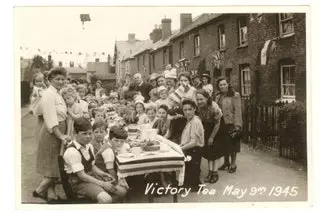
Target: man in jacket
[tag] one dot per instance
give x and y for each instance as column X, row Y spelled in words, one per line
column 141, row 86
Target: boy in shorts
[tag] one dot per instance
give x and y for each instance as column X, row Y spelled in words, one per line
column 86, row 179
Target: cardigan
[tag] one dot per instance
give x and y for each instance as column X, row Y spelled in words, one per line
column 231, row 108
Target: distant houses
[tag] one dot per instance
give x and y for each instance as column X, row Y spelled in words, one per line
column 261, row 54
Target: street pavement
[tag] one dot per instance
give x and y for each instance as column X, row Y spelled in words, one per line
column 260, row 177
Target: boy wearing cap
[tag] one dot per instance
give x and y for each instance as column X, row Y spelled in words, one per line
column 85, row 178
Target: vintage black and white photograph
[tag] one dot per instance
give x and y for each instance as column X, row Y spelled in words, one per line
column 134, row 105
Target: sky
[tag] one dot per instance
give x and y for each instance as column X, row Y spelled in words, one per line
column 60, row 28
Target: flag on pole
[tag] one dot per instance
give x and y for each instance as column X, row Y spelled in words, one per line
column 84, row 18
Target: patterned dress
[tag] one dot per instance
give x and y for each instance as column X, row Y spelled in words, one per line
column 210, row 116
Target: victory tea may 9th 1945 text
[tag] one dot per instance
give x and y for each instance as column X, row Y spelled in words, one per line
column 229, row 190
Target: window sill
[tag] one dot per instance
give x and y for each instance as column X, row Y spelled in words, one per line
column 242, row 46
column 222, row 50
column 286, row 100
column 196, row 56
column 286, row 35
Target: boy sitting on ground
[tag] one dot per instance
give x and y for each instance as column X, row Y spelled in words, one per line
column 107, row 153
column 85, row 178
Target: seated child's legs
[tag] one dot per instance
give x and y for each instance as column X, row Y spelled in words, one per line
column 104, row 197
column 91, row 191
column 121, row 191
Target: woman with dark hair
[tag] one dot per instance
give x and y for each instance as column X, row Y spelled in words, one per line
column 231, row 122
column 185, row 90
column 51, row 135
column 192, row 141
column 206, row 79
column 210, row 115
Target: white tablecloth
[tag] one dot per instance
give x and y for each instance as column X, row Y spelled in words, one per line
column 144, row 163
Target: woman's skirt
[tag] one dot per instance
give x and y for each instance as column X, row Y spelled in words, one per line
column 229, row 145
column 48, row 151
column 217, row 150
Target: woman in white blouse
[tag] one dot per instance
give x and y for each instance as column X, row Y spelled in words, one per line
column 51, row 135
column 206, row 79
column 98, row 89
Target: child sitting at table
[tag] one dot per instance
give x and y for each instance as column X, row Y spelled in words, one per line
column 163, row 122
column 108, row 151
column 151, row 112
column 139, row 105
column 82, row 91
column 84, row 177
column 130, row 116
column 98, row 115
column 154, row 96
column 163, row 94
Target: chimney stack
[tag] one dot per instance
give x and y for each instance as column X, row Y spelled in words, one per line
column 166, row 28
column 156, row 34
column 131, row 37
column 185, row 20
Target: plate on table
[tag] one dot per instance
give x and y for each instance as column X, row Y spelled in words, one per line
column 150, row 153
column 164, row 148
column 126, row 155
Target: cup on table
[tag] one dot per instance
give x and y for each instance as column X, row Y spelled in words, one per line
column 136, row 150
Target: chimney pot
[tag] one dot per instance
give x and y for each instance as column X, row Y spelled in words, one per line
column 185, row 19
column 166, row 28
column 131, row 37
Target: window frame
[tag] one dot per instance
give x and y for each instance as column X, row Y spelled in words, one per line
column 281, row 21
column 196, row 48
column 164, row 56
column 241, row 41
column 181, row 50
column 143, row 60
column 243, row 85
column 228, row 74
column 282, row 95
column 221, row 26
column 153, row 61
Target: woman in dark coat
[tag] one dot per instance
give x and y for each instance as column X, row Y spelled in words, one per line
column 230, row 103
column 210, row 115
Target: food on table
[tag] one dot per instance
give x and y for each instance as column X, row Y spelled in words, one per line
column 133, row 130
column 151, row 146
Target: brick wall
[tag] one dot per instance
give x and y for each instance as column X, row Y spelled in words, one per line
column 158, row 61
column 265, row 80
column 293, row 47
column 144, row 69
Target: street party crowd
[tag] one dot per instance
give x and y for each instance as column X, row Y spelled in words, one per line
column 86, row 125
